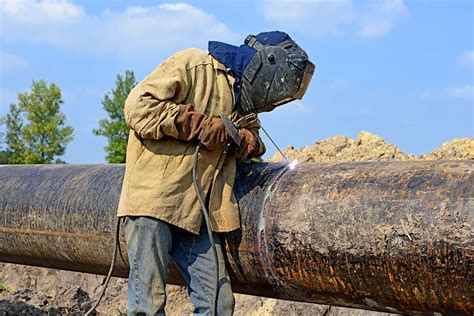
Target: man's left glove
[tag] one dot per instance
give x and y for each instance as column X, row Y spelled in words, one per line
column 248, row 145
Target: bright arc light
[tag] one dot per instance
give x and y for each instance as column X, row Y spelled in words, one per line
column 293, row 164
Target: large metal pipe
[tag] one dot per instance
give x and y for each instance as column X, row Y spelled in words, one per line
column 387, row 236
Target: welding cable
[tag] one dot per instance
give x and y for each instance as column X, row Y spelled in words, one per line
column 198, row 189
column 112, row 264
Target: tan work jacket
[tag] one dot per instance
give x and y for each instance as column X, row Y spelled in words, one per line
column 158, row 177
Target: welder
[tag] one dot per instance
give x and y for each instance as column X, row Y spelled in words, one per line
column 181, row 161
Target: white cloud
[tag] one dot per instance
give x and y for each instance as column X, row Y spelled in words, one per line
column 465, row 92
column 380, row 17
column 39, row 12
column 47, row 21
column 326, row 18
column 466, row 59
column 11, row 61
column 136, row 32
column 319, row 18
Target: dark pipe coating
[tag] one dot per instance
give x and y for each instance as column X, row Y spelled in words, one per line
column 386, row 236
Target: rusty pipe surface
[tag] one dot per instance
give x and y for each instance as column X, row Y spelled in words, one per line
column 387, row 236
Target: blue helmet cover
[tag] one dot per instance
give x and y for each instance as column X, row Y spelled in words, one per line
column 236, row 58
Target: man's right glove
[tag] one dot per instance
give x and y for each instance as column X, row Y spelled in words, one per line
column 210, row 132
column 248, row 145
column 213, row 133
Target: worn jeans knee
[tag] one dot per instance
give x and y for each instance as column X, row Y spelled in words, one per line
column 149, row 243
column 195, row 259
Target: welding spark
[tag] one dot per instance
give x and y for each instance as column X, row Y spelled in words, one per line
column 292, row 165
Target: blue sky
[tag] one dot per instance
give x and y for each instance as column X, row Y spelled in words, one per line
column 400, row 69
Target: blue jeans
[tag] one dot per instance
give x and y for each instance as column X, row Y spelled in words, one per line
column 150, row 244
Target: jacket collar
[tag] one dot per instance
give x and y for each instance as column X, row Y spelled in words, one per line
column 217, row 64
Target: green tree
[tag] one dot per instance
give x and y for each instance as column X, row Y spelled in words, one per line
column 3, row 152
column 115, row 128
column 15, row 149
column 35, row 129
column 3, row 157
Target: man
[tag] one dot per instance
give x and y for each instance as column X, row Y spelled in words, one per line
column 169, row 113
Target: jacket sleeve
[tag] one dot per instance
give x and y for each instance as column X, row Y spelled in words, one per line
column 152, row 106
column 254, row 128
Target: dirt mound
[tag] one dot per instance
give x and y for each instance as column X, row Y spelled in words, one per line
column 370, row 147
column 457, row 149
column 366, row 147
column 28, row 290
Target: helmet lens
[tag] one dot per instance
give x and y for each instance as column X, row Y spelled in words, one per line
column 307, row 76
column 281, row 102
column 303, row 86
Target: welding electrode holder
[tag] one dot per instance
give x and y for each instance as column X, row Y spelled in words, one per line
column 231, row 130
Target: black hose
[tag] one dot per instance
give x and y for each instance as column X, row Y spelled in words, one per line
column 197, row 187
column 112, row 264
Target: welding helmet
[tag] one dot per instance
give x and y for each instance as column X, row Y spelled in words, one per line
column 277, row 74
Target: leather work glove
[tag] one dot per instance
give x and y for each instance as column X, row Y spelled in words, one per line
column 213, row 133
column 248, row 145
column 188, row 122
column 195, row 125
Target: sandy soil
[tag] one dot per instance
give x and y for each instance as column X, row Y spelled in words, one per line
column 41, row 291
